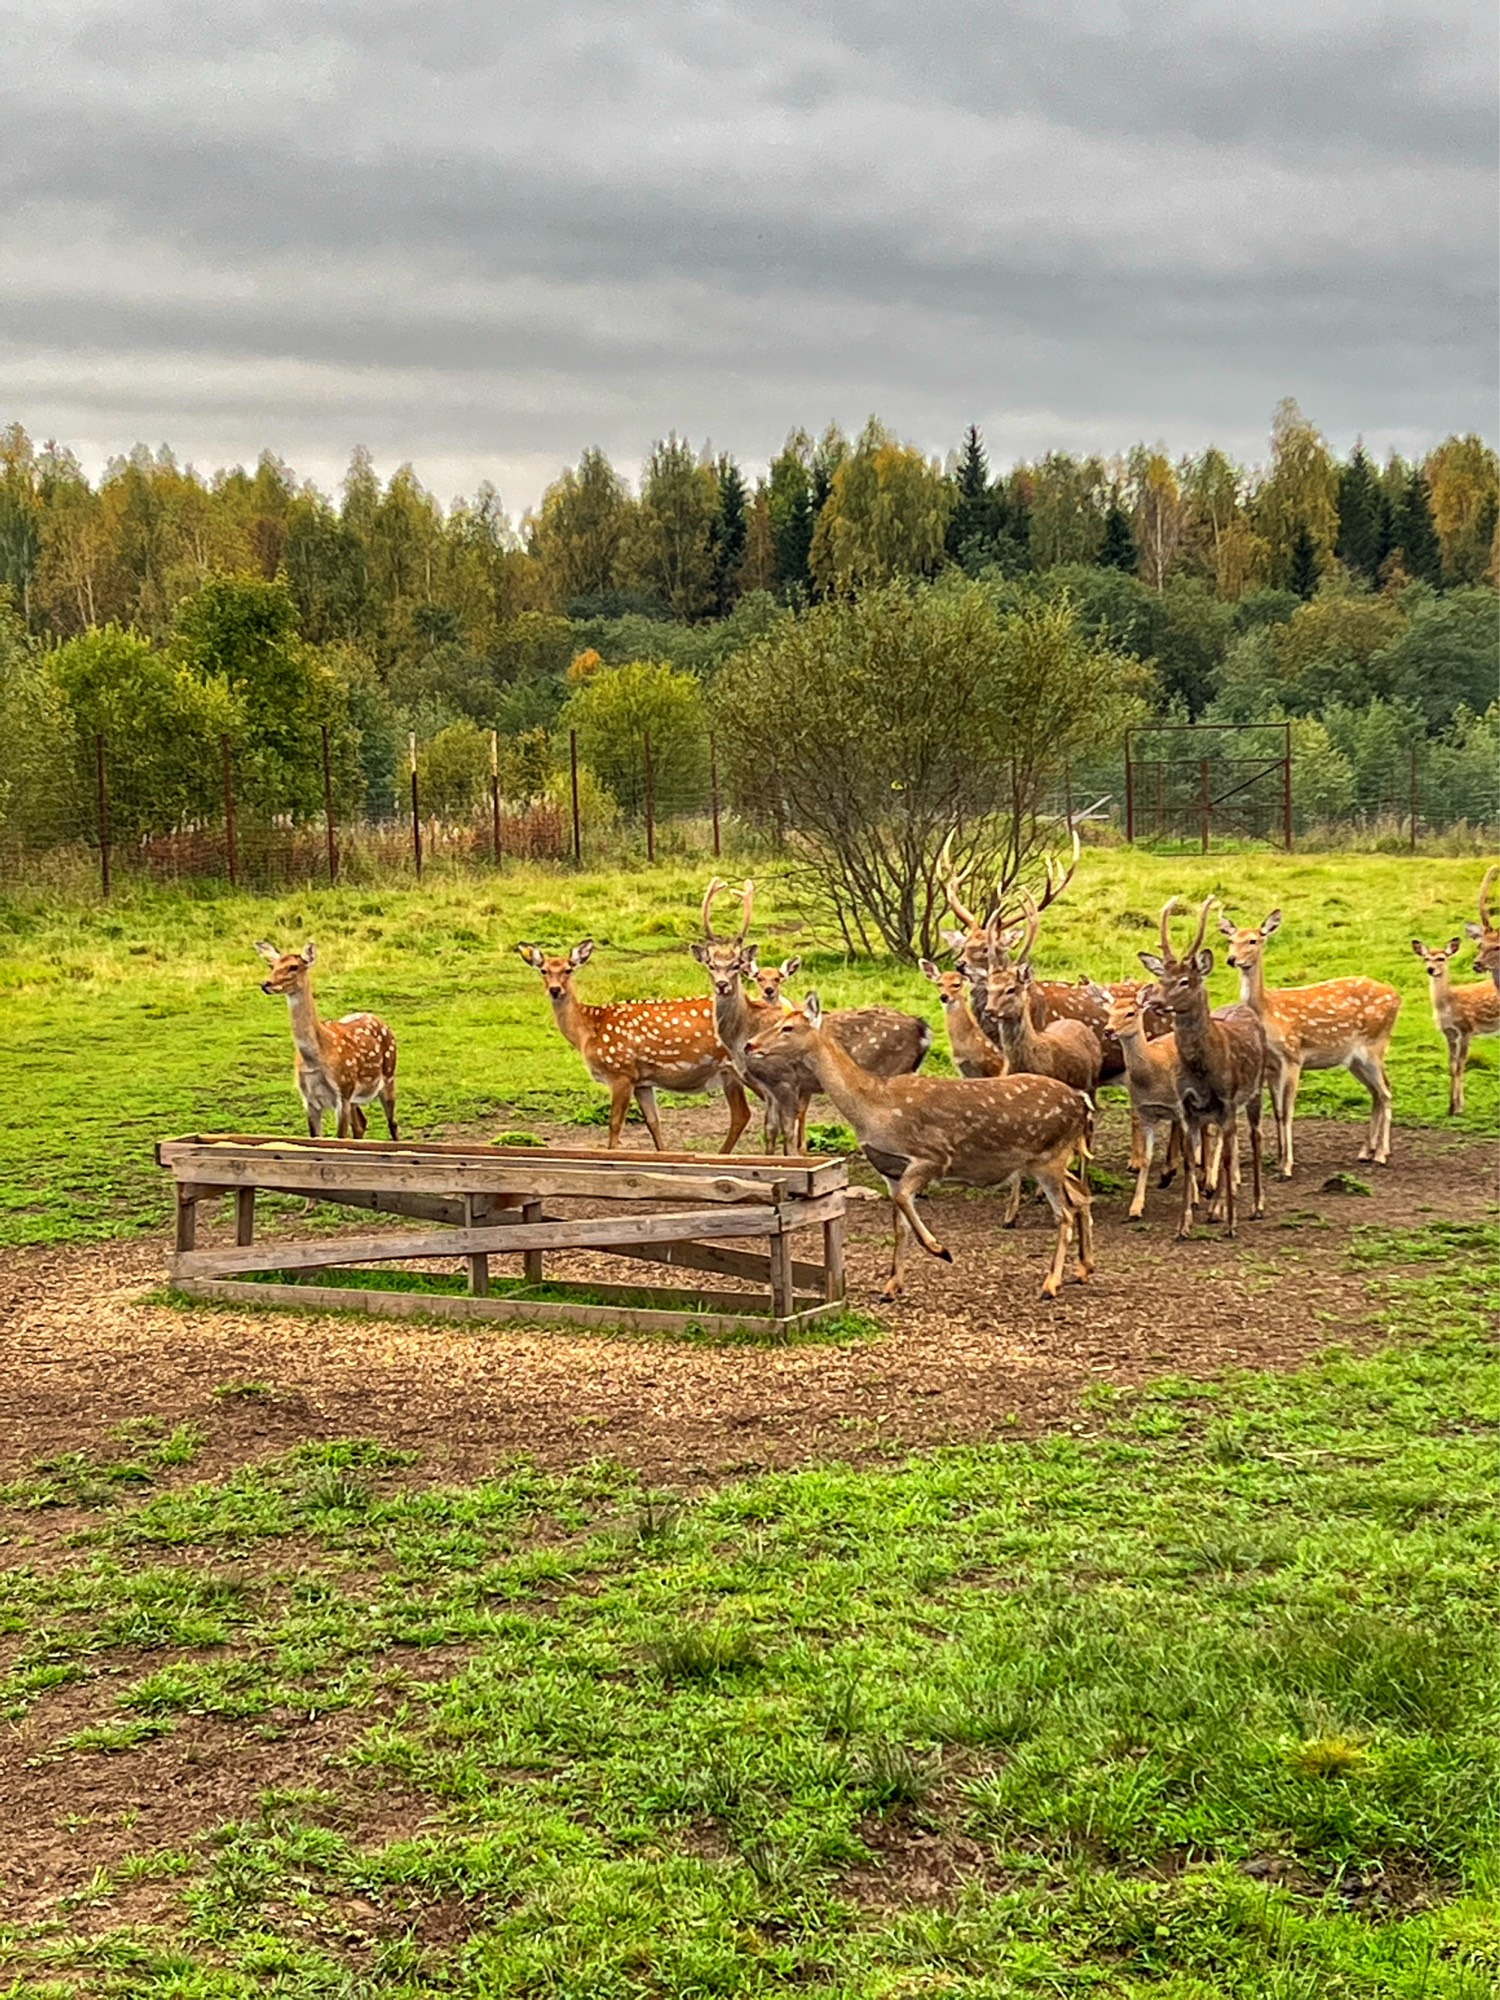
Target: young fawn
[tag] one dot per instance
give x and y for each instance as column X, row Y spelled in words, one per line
column 974, row 1054
column 640, row 1046
column 341, row 1065
column 1153, row 1080
column 980, row 1130
column 1461, row 1012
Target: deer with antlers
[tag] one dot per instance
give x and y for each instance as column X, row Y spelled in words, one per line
column 1486, row 933
column 341, row 1066
column 639, row 1047
column 1153, row 1079
column 1064, row 1048
column 1222, row 1062
column 746, row 996
column 979, row 1130
column 1461, row 1012
column 1337, row 1024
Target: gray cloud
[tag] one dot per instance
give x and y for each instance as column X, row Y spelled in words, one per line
column 484, row 237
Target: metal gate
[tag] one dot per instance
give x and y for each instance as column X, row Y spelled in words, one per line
column 1186, row 781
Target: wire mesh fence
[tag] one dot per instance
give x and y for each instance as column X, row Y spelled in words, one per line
column 1171, row 786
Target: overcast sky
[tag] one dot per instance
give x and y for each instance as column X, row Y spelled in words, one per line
column 483, row 236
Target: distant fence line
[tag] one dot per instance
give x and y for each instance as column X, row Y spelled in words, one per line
column 1173, row 786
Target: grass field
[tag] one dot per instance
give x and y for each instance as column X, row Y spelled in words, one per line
column 127, row 1022
column 1201, row 1705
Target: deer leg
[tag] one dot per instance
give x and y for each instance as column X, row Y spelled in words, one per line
column 1083, row 1209
column 739, row 1112
column 388, row 1105
column 1458, row 1058
column 1189, row 1182
column 1229, row 1160
column 358, row 1123
column 1052, row 1180
column 904, row 1192
column 1143, row 1170
column 1137, row 1139
column 645, row 1097
column 1257, row 1170
column 1012, row 1210
column 1369, row 1069
column 804, row 1105
column 621, row 1090
column 1284, row 1105
column 1174, row 1156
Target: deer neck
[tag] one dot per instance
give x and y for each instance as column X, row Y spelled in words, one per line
column 573, row 1019
column 1253, row 986
column 1193, row 1027
column 841, row 1077
column 737, row 1017
column 1442, row 997
column 307, row 1029
column 1136, row 1049
column 1018, row 1037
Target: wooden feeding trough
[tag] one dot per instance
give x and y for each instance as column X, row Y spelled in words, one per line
column 685, row 1210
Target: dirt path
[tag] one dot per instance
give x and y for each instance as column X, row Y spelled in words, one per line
column 970, row 1354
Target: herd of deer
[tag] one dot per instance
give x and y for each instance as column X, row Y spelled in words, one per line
column 1030, row 1054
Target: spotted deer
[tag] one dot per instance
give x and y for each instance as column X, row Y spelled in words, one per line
column 341, row 1066
column 1222, row 1062
column 1064, row 1048
column 1486, row 933
column 739, row 1012
column 1337, row 1024
column 1154, row 1082
column 974, row 1054
column 1461, row 1012
column 638, row 1047
column 979, row 1130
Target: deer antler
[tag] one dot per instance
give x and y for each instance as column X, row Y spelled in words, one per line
column 747, row 900
column 1057, row 879
column 1197, row 944
column 1169, row 910
column 715, row 888
column 952, row 882
column 1023, row 956
column 1486, row 921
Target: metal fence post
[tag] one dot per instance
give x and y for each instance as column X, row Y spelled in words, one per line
column 1205, row 806
column 577, row 821
column 1129, row 789
column 231, row 849
column 650, row 801
column 416, row 805
column 495, row 793
column 1286, row 791
column 103, row 790
column 1413, row 798
column 713, row 787
column 328, row 828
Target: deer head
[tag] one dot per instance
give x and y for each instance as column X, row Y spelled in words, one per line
column 1246, row 944
column 1125, row 1008
column 1435, row 958
column 289, row 969
column 952, row 986
column 1486, row 933
column 788, row 1035
column 557, row 970
column 1180, row 979
column 726, row 960
column 768, row 980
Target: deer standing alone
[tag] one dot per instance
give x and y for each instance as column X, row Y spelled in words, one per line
column 341, row 1066
column 979, row 1130
column 1337, row 1024
column 1222, row 1062
column 638, row 1047
column 1461, row 1012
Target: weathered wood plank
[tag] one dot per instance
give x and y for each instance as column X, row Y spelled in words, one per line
column 462, row 1306
column 421, row 1207
column 587, row 1233
column 835, row 1285
column 782, row 1294
column 326, row 1177
column 722, row 1263
column 244, row 1215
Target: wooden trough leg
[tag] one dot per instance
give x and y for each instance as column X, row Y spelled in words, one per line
column 479, row 1264
column 187, row 1217
column 783, row 1297
column 244, row 1215
column 833, row 1258
column 532, row 1211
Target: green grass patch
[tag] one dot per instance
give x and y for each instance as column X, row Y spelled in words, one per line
column 1203, row 1706
column 162, row 987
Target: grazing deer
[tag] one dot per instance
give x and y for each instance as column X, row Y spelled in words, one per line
column 1337, row 1024
column 639, row 1047
column 1153, row 1080
column 1461, row 1012
column 974, row 1054
column 1064, row 1048
column 340, row 1065
column 1486, row 933
column 1221, row 1062
column 979, row 1130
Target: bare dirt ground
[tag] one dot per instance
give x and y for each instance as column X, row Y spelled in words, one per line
column 970, row 1353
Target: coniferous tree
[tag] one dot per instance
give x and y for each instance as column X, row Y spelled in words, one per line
column 1302, row 563
column 730, row 534
column 1117, row 550
column 1362, row 544
column 1416, row 536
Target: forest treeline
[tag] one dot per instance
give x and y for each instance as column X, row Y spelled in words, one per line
column 158, row 604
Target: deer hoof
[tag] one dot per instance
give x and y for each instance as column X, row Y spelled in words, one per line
column 946, row 1255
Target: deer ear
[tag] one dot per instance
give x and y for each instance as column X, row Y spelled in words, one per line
column 1097, row 992
column 812, row 1007
column 270, row 954
column 1470, row 930
column 928, row 970
column 790, row 966
column 1226, row 927
column 953, row 939
column 1454, row 944
column 310, row 953
column 581, row 953
column 748, row 956
column 699, row 950
column 1152, row 963
column 1271, row 924
column 1418, row 947
column 1205, row 961
column 532, row 954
